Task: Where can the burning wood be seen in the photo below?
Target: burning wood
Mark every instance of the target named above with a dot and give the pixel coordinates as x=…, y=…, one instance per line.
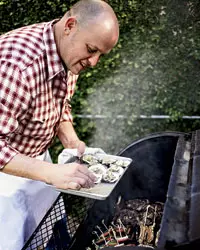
x=135, y=223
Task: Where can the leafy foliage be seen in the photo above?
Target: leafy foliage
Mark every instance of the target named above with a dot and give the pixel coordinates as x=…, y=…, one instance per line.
x=154, y=69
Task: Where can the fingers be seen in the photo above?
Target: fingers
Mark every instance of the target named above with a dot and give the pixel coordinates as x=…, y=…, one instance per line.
x=76, y=183
x=75, y=176
x=83, y=180
x=84, y=170
x=88, y=175
x=73, y=185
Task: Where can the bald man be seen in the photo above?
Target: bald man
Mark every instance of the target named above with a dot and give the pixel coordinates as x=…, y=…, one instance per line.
x=39, y=67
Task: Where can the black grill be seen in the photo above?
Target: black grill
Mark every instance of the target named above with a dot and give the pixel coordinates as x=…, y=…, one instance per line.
x=165, y=168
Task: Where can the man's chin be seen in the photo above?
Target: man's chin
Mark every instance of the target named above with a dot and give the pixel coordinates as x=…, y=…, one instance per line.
x=76, y=70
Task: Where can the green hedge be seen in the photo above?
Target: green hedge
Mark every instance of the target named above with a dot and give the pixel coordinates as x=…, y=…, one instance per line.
x=154, y=69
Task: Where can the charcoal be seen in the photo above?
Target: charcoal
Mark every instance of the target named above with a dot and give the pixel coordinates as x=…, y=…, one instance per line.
x=135, y=222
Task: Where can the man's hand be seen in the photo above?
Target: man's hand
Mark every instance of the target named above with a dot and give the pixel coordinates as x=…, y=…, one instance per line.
x=80, y=148
x=65, y=176
x=70, y=176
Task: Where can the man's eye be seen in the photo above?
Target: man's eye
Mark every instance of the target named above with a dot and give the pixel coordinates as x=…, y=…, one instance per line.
x=91, y=51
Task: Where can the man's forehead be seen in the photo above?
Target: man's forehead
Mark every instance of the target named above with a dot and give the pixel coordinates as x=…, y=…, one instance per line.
x=100, y=39
x=101, y=50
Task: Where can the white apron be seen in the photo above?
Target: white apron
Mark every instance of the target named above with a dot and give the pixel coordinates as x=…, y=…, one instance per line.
x=23, y=204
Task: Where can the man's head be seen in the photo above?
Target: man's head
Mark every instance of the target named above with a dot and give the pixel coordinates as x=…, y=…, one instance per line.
x=89, y=30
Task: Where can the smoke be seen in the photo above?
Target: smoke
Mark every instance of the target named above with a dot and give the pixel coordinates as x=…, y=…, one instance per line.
x=119, y=98
x=158, y=61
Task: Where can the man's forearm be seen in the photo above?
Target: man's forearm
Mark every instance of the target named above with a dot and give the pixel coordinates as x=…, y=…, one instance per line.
x=72, y=175
x=27, y=167
x=67, y=135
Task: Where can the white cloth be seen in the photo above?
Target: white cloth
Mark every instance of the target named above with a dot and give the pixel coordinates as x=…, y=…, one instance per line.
x=23, y=204
x=68, y=153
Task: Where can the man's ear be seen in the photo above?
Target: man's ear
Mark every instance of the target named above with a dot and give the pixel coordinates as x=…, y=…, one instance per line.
x=70, y=24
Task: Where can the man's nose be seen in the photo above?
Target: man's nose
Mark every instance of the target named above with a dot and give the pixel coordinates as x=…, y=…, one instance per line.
x=93, y=60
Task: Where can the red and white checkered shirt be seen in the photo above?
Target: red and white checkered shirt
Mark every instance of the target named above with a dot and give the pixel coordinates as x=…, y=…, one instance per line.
x=34, y=91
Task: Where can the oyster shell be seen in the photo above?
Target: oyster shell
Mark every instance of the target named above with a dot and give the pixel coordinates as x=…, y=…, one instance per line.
x=111, y=176
x=105, y=167
x=122, y=163
x=116, y=169
x=98, y=170
x=126, y=163
x=89, y=159
x=107, y=160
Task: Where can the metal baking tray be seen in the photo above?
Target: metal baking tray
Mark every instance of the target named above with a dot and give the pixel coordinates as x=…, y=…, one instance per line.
x=101, y=190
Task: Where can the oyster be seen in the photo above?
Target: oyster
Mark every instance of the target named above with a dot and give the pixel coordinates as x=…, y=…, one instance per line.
x=98, y=170
x=122, y=163
x=116, y=169
x=111, y=176
x=89, y=159
x=105, y=167
x=107, y=160
x=126, y=163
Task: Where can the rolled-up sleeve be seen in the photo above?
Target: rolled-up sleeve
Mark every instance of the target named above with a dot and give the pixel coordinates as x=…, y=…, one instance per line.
x=14, y=98
x=67, y=116
x=71, y=85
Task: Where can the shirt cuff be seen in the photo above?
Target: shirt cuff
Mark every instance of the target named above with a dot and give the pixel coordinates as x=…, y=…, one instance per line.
x=6, y=153
x=67, y=116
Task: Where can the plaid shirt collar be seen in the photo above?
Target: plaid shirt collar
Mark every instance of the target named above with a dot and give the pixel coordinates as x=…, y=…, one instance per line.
x=54, y=62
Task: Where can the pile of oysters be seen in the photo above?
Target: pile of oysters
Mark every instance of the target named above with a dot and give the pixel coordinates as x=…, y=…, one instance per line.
x=105, y=167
